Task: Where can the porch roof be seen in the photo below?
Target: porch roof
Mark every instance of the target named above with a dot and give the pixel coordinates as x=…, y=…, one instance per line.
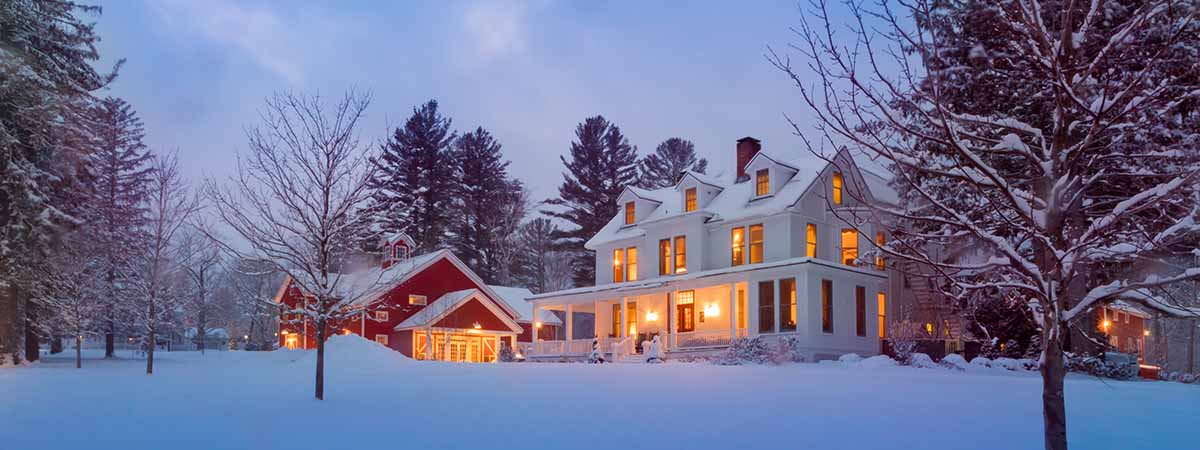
x=444, y=305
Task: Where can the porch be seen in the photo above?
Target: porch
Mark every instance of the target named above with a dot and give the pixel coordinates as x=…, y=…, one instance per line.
x=699, y=319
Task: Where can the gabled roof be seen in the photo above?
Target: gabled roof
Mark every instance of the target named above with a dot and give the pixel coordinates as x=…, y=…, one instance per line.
x=644, y=194
x=392, y=238
x=700, y=178
x=515, y=297
x=776, y=160
x=446, y=304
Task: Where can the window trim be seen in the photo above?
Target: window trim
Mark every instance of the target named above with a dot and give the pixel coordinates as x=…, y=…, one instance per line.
x=759, y=243
x=762, y=182
x=385, y=339
x=630, y=213
x=737, y=247
x=381, y=316
x=690, y=200
x=416, y=299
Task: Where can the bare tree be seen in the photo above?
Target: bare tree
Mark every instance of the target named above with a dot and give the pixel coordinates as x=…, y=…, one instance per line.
x=71, y=289
x=293, y=202
x=1054, y=140
x=254, y=284
x=156, y=264
x=200, y=259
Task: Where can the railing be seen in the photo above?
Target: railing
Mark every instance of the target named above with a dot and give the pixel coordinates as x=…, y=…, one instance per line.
x=579, y=346
x=703, y=339
x=548, y=347
x=623, y=347
x=525, y=348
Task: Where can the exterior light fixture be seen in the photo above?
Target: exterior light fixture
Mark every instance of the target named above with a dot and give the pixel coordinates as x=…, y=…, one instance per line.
x=712, y=310
x=651, y=316
x=345, y=331
x=477, y=326
x=1146, y=332
x=285, y=332
x=537, y=324
x=1106, y=324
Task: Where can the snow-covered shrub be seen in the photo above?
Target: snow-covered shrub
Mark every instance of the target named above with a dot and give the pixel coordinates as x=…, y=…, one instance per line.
x=1095, y=366
x=850, y=358
x=787, y=351
x=903, y=335
x=744, y=351
x=981, y=361
x=506, y=353
x=1188, y=378
x=921, y=360
x=954, y=361
x=1007, y=363
x=878, y=361
x=1028, y=364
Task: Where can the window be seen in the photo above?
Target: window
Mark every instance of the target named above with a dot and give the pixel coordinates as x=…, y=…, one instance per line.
x=664, y=257
x=849, y=246
x=879, y=241
x=382, y=339
x=882, y=315
x=1114, y=341
x=811, y=244
x=837, y=188
x=756, y=244
x=737, y=240
x=631, y=264
x=680, y=254
x=762, y=182
x=685, y=310
x=689, y=200
x=629, y=213
x=616, y=321
x=860, y=311
x=929, y=328
x=618, y=265
x=766, y=307
x=946, y=328
x=381, y=316
x=414, y=299
x=741, y=309
x=631, y=318
x=826, y=306
x=787, y=304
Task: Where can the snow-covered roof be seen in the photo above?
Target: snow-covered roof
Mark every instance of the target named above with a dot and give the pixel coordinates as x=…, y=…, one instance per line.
x=515, y=297
x=880, y=187
x=366, y=285
x=702, y=178
x=211, y=333
x=441, y=307
x=1126, y=307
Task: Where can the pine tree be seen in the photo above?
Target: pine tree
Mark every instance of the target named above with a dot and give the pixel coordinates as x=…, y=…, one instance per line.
x=413, y=185
x=119, y=174
x=46, y=52
x=602, y=164
x=537, y=247
x=484, y=201
x=670, y=159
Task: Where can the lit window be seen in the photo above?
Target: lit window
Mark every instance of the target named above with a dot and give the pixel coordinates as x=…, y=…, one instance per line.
x=756, y=244
x=762, y=182
x=629, y=213
x=382, y=339
x=664, y=257
x=879, y=241
x=680, y=254
x=741, y=309
x=849, y=246
x=414, y=299
x=685, y=311
x=616, y=321
x=929, y=328
x=631, y=319
x=811, y=245
x=381, y=316
x=882, y=315
x=837, y=188
x=618, y=265
x=787, y=300
x=631, y=264
x=860, y=311
x=946, y=328
x=689, y=200
x=737, y=239
x=827, y=306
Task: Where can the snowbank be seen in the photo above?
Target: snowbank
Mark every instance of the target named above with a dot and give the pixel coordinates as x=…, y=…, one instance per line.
x=352, y=351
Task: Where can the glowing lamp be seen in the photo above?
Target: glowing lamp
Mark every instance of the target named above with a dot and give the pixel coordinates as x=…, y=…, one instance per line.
x=246, y=337
x=1106, y=324
x=651, y=316
x=345, y=331
x=537, y=324
x=285, y=332
x=712, y=310
x=1146, y=333
x=477, y=326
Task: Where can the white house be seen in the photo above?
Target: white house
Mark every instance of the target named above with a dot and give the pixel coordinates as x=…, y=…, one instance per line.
x=770, y=253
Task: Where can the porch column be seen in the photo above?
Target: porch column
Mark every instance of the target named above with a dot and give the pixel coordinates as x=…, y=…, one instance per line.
x=570, y=322
x=732, y=311
x=671, y=313
x=776, y=310
x=537, y=311
x=624, y=324
x=429, y=344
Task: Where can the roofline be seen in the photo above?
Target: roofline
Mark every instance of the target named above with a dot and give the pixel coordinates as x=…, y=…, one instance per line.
x=776, y=161
x=633, y=190
x=282, y=289
x=490, y=304
x=689, y=173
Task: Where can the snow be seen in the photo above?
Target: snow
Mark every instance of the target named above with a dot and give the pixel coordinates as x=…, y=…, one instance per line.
x=377, y=398
x=365, y=286
x=515, y=297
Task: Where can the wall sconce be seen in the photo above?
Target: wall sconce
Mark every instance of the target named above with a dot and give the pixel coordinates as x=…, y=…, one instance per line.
x=712, y=310
x=1106, y=324
x=477, y=326
x=537, y=324
x=1146, y=333
x=651, y=316
x=285, y=332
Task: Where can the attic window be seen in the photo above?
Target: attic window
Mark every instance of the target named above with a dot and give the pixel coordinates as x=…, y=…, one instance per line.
x=762, y=182
x=689, y=200
x=400, y=252
x=837, y=188
x=629, y=213
x=414, y=299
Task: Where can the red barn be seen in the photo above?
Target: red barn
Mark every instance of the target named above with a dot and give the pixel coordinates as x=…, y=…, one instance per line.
x=426, y=298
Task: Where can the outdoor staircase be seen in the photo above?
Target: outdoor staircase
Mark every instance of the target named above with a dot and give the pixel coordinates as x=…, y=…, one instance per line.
x=932, y=306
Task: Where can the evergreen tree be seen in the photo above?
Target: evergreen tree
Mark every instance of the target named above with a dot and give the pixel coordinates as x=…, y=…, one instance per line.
x=484, y=197
x=662, y=168
x=537, y=246
x=602, y=165
x=413, y=184
x=119, y=175
x=46, y=53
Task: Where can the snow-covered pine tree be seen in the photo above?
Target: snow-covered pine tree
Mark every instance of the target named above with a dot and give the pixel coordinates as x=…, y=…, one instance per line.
x=120, y=171
x=488, y=205
x=413, y=186
x=46, y=52
x=1055, y=140
x=537, y=246
x=662, y=168
x=602, y=164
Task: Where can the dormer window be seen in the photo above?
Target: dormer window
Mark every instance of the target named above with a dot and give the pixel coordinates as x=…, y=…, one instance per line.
x=399, y=252
x=762, y=182
x=629, y=213
x=689, y=200
x=837, y=188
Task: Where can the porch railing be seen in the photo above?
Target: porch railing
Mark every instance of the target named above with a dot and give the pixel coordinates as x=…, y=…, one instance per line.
x=579, y=346
x=705, y=339
x=548, y=347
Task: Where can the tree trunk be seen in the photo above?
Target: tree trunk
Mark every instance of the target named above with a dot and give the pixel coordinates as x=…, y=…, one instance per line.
x=321, y=359
x=56, y=345
x=150, y=354
x=110, y=340
x=1054, y=410
x=1192, y=324
x=33, y=347
x=78, y=352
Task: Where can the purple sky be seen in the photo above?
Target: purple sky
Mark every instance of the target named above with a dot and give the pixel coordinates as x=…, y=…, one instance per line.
x=529, y=72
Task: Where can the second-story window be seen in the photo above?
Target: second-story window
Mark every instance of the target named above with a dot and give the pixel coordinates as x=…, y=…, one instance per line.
x=879, y=241
x=629, y=213
x=664, y=257
x=381, y=316
x=737, y=240
x=849, y=246
x=837, y=188
x=762, y=182
x=680, y=254
x=631, y=264
x=414, y=299
x=810, y=246
x=618, y=265
x=689, y=200
x=756, y=244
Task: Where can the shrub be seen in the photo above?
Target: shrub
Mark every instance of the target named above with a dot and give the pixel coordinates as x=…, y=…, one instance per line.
x=981, y=361
x=506, y=353
x=744, y=351
x=787, y=351
x=955, y=361
x=1095, y=366
x=922, y=361
x=850, y=358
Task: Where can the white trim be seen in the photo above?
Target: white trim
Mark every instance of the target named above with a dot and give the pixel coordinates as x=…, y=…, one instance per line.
x=282, y=289
x=385, y=339
x=487, y=302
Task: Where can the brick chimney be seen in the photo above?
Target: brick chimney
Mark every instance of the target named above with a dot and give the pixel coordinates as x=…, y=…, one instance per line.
x=747, y=147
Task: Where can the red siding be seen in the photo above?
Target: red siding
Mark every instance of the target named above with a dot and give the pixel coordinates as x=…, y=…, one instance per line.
x=546, y=333
x=470, y=313
x=1130, y=336
x=402, y=341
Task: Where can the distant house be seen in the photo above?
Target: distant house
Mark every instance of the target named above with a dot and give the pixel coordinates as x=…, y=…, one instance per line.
x=1124, y=328
x=430, y=307
x=214, y=339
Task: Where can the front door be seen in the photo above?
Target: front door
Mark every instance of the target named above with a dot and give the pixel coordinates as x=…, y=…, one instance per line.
x=687, y=317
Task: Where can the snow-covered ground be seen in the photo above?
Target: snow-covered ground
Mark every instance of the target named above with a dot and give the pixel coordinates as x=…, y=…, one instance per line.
x=379, y=399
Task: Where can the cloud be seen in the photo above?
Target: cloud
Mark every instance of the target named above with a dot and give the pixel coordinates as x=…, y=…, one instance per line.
x=496, y=29
x=259, y=34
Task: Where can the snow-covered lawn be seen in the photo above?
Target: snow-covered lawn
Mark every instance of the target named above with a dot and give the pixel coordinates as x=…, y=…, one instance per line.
x=379, y=399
